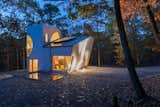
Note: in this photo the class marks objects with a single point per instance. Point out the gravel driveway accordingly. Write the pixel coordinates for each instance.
(94, 87)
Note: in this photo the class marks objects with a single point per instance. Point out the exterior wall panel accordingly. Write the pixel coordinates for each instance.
(81, 54)
(61, 51)
(38, 52)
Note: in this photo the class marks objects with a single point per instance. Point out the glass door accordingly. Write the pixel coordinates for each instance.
(33, 65)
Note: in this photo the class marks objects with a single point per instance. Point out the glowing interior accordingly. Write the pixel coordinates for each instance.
(29, 45)
(46, 37)
(57, 44)
(54, 36)
(61, 63)
(33, 65)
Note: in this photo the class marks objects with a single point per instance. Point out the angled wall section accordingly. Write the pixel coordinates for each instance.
(81, 54)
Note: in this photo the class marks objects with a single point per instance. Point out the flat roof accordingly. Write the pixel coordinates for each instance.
(66, 41)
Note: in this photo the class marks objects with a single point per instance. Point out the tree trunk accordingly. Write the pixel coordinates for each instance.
(17, 58)
(99, 56)
(138, 59)
(24, 58)
(128, 58)
(25, 53)
(153, 22)
(98, 36)
(8, 62)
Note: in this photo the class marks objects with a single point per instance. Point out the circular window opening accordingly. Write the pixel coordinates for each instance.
(54, 36)
(29, 45)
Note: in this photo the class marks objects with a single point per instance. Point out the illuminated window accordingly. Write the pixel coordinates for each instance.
(29, 45)
(56, 44)
(33, 65)
(61, 63)
(54, 36)
(46, 37)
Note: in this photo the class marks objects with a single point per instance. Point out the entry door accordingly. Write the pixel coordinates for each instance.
(33, 65)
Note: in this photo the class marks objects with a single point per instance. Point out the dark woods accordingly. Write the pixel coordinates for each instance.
(12, 54)
(145, 52)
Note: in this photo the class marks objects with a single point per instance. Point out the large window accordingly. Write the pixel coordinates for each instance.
(61, 63)
(29, 45)
(53, 37)
(33, 65)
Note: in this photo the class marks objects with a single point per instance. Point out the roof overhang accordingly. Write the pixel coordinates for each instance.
(65, 42)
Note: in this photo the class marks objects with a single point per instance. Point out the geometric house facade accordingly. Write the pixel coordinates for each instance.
(48, 50)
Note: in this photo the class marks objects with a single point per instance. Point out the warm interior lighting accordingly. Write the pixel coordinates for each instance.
(29, 45)
(46, 37)
(54, 36)
(61, 63)
(30, 65)
(57, 44)
(33, 65)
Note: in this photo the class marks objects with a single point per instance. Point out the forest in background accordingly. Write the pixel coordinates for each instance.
(81, 17)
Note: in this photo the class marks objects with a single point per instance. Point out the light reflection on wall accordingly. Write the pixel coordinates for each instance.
(82, 51)
(81, 54)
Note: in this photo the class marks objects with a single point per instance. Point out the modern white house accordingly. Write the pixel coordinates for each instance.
(48, 50)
